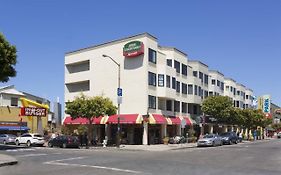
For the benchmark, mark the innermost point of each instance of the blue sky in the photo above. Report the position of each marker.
(241, 39)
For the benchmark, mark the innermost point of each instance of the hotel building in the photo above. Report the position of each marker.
(162, 90)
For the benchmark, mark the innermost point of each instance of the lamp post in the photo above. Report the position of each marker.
(118, 102)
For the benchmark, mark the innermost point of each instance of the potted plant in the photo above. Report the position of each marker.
(166, 140)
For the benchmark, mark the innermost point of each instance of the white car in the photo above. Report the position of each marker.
(30, 139)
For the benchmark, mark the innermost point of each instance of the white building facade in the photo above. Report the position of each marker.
(155, 81)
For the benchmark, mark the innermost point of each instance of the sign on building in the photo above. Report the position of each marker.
(133, 49)
(32, 111)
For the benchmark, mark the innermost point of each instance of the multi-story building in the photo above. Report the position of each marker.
(10, 107)
(158, 83)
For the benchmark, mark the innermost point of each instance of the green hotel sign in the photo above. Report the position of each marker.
(133, 49)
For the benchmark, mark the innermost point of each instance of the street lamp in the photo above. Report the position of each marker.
(118, 101)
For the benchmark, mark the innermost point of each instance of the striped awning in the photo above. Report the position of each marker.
(189, 120)
(124, 119)
(82, 121)
(173, 120)
(157, 119)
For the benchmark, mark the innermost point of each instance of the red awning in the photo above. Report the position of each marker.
(125, 119)
(175, 120)
(157, 119)
(187, 120)
(81, 121)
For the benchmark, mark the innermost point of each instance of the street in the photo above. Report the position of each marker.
(260, 157)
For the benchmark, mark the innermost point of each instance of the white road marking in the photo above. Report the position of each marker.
(59, 162)
(20, 150)
(32, 155)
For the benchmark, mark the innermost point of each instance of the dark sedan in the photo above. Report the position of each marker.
(229, 138)
(64, 141)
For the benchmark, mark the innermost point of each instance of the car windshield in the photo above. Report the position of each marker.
(11, 135)
(208, 136)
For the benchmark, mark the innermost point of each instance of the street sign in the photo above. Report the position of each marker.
(119, 100)
(119, 92)
(183, 123)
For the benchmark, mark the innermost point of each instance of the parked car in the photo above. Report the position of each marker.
(30, 139)
(177, 140)
(279, 135)
(7, 139)
(229, 138)
(210, 140)
(64, 141)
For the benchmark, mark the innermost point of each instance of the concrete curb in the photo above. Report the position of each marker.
(6, 160)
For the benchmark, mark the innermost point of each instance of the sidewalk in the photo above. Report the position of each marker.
(158, 147)
(7, 160)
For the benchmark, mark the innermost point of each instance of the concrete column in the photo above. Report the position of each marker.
(211, 129)
(39, 126)
(145, 133)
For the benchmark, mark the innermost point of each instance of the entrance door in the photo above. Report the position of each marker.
(138, 133)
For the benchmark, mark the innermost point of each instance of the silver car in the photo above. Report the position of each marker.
(7, 138)
(210, 140)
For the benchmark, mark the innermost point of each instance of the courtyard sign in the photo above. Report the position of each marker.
(133, 49)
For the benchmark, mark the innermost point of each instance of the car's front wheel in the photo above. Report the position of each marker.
(50, 144)
(17, 142)
(4, 142)
(64, 145)
(28, 143)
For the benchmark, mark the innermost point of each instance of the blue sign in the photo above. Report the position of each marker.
(119, 92)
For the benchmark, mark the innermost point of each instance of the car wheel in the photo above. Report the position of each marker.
(64, 145)
(214, 144)
(50, 144)
(4, 142)
(230, 142)
(17, 142)
(221, 143)
(28, 143)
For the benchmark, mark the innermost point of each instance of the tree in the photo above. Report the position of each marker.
(219, 107)
(90, 107)
(8, 59)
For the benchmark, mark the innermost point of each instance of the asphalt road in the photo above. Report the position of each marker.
(259, 158)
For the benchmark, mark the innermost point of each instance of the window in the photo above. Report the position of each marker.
(195, 73)
(227, 88)
(184, 69)
(206, 79)
(184, 107)
(222, 86)
(169, 62)
(231, 89)
(78, 67)
(238, 92)
(190, 89)
(173, 82)
(178, 86)
(177, 66)
(151, 79)
(195, 90)
(211, 93)
(176, 106)
(234, 91)
(14, 101)
(160, 80)
(169, 105)
(78, 86)
(247, 97)
(184, 88)
(152, 102)
(205, 94)
(201, 76)
(168, 81)
(213, 81)
(200, 91)
(152, 55)
(218, 83)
